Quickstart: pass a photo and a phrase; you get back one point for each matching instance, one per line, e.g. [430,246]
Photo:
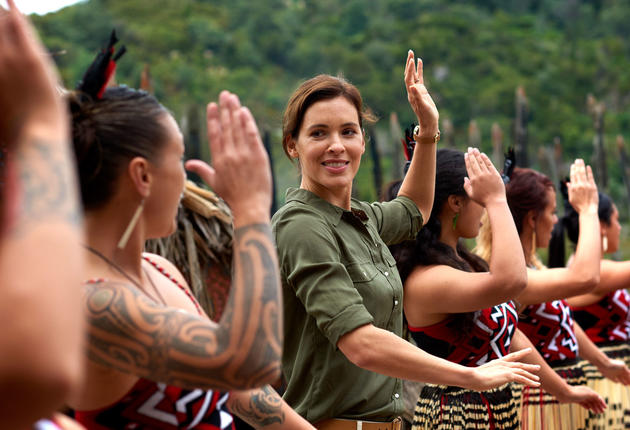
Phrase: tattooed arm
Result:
[263,408]
[40,234]
[133,334]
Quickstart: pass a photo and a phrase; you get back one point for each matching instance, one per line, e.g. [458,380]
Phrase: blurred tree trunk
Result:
[474,134]
[448,133]
[597,110]
[625,167]
[377,172]
[520,128]
[497,146]
[266,137]
[397,155]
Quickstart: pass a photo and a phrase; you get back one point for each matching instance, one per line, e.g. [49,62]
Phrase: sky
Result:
[40,7]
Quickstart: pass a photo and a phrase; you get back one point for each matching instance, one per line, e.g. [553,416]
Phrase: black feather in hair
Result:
[101,70]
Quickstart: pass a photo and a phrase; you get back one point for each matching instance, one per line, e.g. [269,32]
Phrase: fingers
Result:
[204,171]
[526,378]
[214,128]
[420,72]
[488,163]
[252,135]
[517,355]
[225,120]
[409,70]
[472,165]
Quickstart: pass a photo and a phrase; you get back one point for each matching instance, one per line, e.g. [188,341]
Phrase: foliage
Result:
[475,53]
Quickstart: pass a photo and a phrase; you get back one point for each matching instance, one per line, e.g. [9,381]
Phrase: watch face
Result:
[416,130]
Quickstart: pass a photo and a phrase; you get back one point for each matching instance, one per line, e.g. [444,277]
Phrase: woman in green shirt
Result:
[343,354]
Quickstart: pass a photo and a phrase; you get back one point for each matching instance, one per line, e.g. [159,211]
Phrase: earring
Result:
[455,220]
[132,224]
[605,243]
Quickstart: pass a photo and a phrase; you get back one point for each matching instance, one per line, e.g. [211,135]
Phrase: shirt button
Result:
[396,395]
[386,273]
[395,302]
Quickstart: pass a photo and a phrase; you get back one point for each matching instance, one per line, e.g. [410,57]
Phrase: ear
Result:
[455,203]
[291,147]
[530,219]
[140,175]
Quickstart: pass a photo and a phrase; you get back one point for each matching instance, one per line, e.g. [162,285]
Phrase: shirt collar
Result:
[334,212]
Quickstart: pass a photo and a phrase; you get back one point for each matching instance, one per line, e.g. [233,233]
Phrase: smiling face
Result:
[329,148]
[546,219]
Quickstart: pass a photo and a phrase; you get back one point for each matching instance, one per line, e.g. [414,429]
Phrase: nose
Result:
[335,146]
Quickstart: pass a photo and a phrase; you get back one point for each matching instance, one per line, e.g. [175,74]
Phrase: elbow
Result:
[512,285]
[359,351]
[587,281]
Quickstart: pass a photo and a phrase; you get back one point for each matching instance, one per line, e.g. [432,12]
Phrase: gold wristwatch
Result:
[416,136]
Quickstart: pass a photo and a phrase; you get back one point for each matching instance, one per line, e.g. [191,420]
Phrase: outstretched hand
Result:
[586,398]
[240,171]
[420,99]
[483,184]
[28,80]
[582,188]
[503,370]
[617,371]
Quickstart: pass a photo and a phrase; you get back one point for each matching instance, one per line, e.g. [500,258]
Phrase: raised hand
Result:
[504,370]
[582,188]
[585,397]
[420,99]
[28,80]
[483,184]
[240,171]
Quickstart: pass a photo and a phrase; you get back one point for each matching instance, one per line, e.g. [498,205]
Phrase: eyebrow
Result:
[354,124]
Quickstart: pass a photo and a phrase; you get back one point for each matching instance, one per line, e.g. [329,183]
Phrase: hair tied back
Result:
[101,70]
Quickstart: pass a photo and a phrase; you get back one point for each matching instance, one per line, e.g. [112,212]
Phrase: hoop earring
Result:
[605,244]
[455,220]
[132,224]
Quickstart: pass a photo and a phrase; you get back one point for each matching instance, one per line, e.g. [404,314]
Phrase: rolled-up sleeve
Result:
[311,267]
[396,220]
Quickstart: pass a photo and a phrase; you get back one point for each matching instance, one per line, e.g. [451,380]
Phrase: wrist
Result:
[591,209]
[496,202]
[426,135]
[245,215]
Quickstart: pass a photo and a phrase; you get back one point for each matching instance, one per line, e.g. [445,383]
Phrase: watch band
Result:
[416,136]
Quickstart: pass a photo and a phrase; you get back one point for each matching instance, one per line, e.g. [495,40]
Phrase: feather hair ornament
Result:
[508,165]
[409,144]
[101,70]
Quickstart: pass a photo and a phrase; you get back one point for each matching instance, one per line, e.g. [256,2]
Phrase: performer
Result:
[156,361]
[545,316]
[457,307]
[604,313]
[41,230]
[343,353]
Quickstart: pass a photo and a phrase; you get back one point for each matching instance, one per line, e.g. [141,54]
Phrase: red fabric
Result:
[607,320]
[489,338]
[549,326]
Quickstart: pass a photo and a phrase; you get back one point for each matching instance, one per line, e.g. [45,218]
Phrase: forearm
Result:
[253,312]
[507,260]
[42,266]
[419,183]
[263,408]
[383,352]
[586,262]
[550,381]
[589,350]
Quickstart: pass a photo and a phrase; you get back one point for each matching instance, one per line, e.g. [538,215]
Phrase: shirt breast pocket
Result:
[361,273]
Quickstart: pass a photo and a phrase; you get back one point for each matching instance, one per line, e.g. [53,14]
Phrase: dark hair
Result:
[525,192]
[427,249]
[321,87]
[107,133]
[570,222]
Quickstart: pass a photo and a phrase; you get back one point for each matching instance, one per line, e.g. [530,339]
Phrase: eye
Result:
[349,132]
[317,133]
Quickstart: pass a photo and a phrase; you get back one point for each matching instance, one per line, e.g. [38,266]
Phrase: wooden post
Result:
[625,166]
[377,172]
[562,168]
[520,128]
[266,137]
[397,155]
[497,145]
[448,133]
[146,82]
[597,110]
[474,134]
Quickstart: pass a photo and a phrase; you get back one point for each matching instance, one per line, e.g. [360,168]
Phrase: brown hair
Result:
[107,133]
[321,87]
[526,191]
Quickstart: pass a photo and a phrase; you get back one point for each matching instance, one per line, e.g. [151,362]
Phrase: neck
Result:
[528,246]
[104,228]
[338,196]
[447,234]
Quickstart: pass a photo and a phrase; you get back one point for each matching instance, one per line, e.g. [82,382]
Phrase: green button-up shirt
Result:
[338,275]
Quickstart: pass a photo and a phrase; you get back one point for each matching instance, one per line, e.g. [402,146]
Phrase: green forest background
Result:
[476,54]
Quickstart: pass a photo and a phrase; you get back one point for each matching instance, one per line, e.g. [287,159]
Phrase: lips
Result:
[335,163]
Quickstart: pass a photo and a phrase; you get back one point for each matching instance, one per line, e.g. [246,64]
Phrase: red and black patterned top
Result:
[152,405]
[549,326]
[489,338]
[607,320]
